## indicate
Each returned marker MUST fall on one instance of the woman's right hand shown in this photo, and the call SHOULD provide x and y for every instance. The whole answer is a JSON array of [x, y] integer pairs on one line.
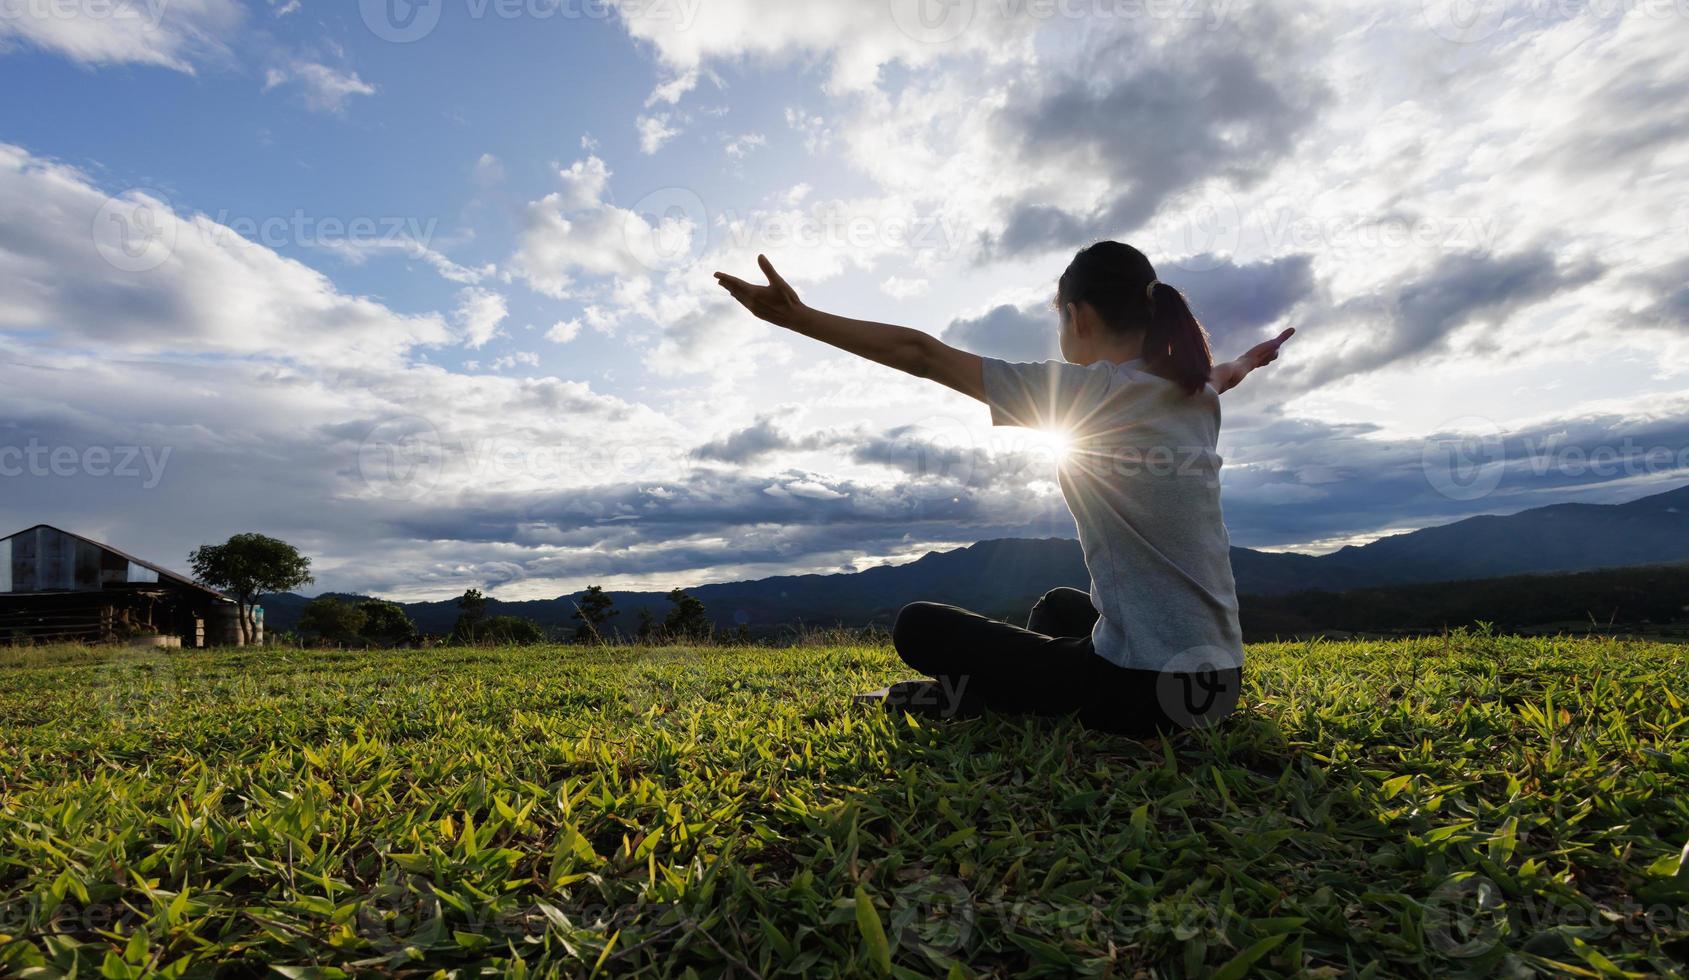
[[1229, 375], [776, 302]]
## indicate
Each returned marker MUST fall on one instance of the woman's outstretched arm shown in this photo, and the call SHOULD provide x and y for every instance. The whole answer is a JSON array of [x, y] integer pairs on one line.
[[907, 350], [1227, 376]]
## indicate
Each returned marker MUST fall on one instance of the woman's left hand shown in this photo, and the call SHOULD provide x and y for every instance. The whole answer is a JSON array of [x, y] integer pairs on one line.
[[776, 302], [1229, 375], [1266, 352]]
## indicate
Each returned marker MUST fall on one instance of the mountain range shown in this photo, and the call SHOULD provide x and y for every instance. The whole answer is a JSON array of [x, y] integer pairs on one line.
[[1002, 577]]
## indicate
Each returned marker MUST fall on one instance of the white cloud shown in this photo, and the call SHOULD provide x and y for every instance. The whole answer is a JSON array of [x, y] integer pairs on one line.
[[813, 129], [173, 35], [898, 287], [563, 331], [325, 89], [584, 184], [523, 358], [488, 170], [286, 404], [671, 90], [479, 314], [738, 146], [654, 131], [574, 232], [857, 37], [357, 251], [148, 280]]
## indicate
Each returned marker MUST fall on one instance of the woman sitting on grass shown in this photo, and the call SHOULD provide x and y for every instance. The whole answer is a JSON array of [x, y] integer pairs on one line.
[[1155, 646]]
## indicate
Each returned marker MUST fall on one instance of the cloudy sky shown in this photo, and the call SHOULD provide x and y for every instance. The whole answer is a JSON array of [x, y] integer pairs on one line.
[[423, 287]]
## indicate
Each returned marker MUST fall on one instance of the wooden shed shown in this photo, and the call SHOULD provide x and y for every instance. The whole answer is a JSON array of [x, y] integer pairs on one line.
[[58, 586]]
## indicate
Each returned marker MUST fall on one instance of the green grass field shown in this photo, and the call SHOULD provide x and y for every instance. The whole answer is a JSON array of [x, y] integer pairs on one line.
[[1475, 806]]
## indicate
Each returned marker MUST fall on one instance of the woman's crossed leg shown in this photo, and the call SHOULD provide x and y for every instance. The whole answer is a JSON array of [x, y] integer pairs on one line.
[[1049, 668]]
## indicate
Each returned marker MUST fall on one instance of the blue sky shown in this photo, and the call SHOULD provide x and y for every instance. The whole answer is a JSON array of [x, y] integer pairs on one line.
[[439, 310]]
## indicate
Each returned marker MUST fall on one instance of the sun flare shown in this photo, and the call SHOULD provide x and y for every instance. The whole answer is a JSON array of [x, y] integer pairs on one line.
[[1057, 442]]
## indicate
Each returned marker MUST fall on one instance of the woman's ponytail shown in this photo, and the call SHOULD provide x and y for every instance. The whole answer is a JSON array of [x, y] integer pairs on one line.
[[1175, 342], [1119, 282]]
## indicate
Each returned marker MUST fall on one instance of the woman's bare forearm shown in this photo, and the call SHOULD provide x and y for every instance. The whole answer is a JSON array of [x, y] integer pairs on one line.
[[1226, 376], [907, 350], [904, 348]]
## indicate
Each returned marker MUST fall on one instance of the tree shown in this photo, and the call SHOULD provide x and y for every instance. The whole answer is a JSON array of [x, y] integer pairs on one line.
[[386, 623], [647, 626], [471, 610], [594, 611], [248, 566], [511, 630], [328, 618], [687, 620]]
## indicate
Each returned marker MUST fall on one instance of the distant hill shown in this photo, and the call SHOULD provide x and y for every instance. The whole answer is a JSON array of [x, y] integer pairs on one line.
[[1002, 577], [1647, 598]]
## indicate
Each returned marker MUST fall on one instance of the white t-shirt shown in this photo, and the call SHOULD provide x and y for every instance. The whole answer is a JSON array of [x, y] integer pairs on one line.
[[1143, 481]]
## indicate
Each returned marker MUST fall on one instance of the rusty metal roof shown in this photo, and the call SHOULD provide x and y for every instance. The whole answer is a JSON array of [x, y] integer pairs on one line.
[[162, 572]]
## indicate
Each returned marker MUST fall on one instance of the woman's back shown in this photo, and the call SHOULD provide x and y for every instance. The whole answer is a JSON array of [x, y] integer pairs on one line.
[[1142, 480]]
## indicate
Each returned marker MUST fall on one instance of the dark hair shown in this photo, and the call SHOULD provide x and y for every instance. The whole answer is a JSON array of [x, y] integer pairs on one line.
[[1120, 284]]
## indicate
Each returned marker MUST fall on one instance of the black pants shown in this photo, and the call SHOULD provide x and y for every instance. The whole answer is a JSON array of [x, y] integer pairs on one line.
[[1050, 668]]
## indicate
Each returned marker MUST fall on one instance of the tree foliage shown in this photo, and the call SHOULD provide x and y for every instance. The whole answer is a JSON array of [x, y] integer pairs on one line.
[[386, 624], [330, 619], [471, 612], [250, 565], [594, 611], [512, 630], [688, 620]]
